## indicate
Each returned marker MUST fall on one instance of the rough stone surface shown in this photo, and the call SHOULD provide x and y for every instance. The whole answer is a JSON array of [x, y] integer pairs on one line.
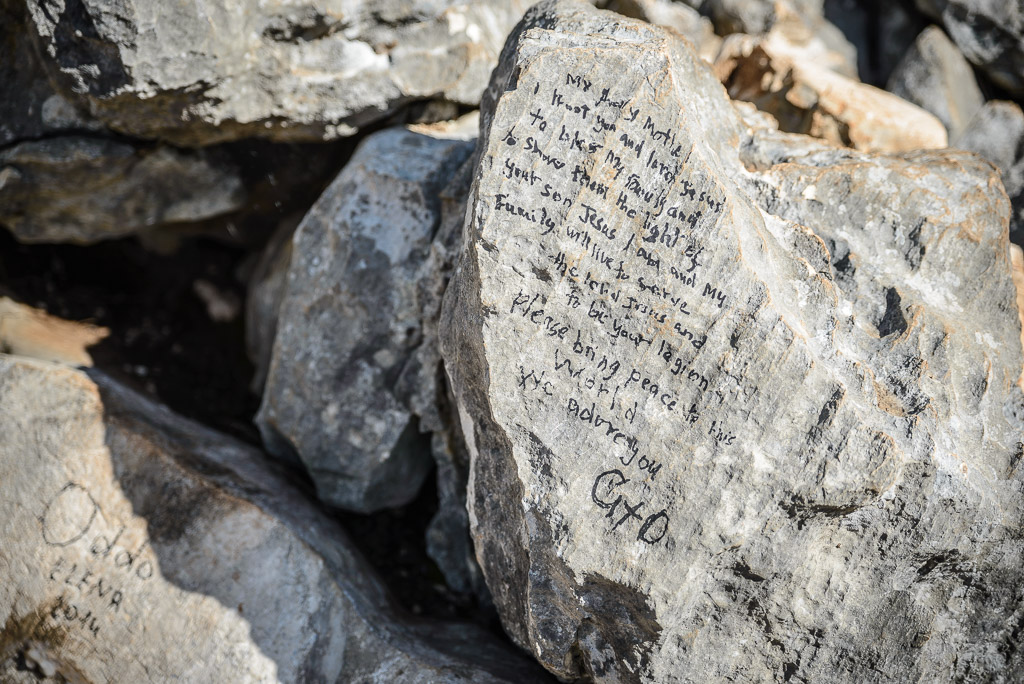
[[808, 98], [139, 546], [740, 406], [64, 179], [84, 188], [997, 133], [203, 72], [936, 77], [681, 18], [990, 33], [352, 386]]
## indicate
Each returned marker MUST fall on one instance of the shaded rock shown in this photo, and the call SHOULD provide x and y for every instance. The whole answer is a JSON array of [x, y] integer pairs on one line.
[[997, 133], [62, 177], [29, 106], [139, 546], [807, 98], [990, 34], [681, 18], [880, 32], [268, 69], [352, 386], [1017, 264], [263, 299], [737, 402], [83, 189], [936, 77], [754, 16]]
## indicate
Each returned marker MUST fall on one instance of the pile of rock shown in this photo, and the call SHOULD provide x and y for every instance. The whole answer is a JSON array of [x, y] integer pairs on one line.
[[701, 341]]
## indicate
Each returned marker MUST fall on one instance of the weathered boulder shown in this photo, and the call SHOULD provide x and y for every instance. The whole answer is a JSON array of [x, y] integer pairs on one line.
[[209, 71], [63, 178], [353, 381], [990, 33], [996, 132], [138, 546], [807, 98], [739, 405], [936, 77]]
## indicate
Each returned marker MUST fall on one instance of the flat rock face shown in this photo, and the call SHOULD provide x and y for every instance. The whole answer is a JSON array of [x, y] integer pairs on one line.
[[138, 546], [739, 405], [936, 77], [353, 378], [202, 72]]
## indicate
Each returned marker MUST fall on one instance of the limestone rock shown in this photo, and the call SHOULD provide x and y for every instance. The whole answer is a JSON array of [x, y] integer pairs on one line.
[[674, 15], [209, 71], [64, 179], [990, 33], [353, 379], [936, 77], [83, 188], [740, 405], [807, 98], [997, 133], [138, 546]]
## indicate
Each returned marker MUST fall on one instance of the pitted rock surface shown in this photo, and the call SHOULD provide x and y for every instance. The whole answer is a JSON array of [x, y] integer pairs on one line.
[[739, 405], [203, 72], [138, 546]]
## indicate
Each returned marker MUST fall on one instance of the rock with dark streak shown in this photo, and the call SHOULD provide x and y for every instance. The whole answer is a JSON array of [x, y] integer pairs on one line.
[[211, 71], [138, 546], [739, 405], [65, 178]]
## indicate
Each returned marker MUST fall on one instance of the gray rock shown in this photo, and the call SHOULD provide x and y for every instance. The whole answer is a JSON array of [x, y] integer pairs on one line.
[[936, 77], [64, 179], [997, 133], [740, 406], [352, 386], [681, 18], [990, 34], [210, 71], [881, 33], [83, 189], [139, 546]]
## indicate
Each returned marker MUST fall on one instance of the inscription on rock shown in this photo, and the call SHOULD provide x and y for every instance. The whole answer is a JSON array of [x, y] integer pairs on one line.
[[617, 292]]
